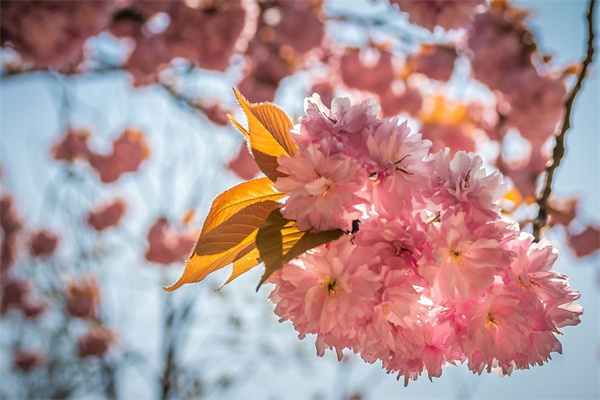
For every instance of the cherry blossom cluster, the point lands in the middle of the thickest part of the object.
(430, 272)
(128, 152)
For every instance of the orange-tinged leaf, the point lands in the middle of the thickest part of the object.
(226, 243)
(235, 229)
(198, 267)
(237, 198)
(267, 164)
(277, 124)
(268, 127)
(279, 240)
(238, 125)
(244, 264)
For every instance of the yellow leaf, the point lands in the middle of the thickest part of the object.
(268, 134)
(225, 243)
(237, 198)
(198, 267)
(267, 164)
(279, 240)
(268, 127)
(235, 229)
(238, 125)
(244, 264)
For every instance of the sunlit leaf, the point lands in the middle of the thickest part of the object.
(267, 133)
(226, 243)
(198, 267)
(279, 240)
(238, 197)
(238, 125)
(244, 264)
(235, 229)
(268, 127)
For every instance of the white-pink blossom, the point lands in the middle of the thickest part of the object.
(323, 186)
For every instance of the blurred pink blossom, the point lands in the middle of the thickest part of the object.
(243, 164)
(43, 243)
(449, 14)
(167, 246)
(586, 242)
(107, 216)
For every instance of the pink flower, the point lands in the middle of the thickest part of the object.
(454, 136)
(83, 299)
(586, 242)
(267, 69)
(43, 243)
(507, 329)
(74, 145)
(532, 270)
(326, 292)
(435, 61)
(463, 182)
(397, 242)
(449, 14)
(128, 152)
(325, 89)
(524, 173)
(465, 256)
(107, 216)
(563, 211)
(401, 97)
(536, 104)
(501, 45)
(401, 298)
(425, 347)
(25, 360)
(322, 185)
(298, 25)
(96, 342)
(14, 293)
(167, 246)
(367, 69)
(52, 33)
(397, 167)
(344, 121)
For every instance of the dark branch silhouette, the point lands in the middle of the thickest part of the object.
(559, 149)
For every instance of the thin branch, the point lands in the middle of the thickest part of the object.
(559, 148)
(188, 102)
(192, 104)
(16, 71)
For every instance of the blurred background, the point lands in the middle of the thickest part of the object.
(114, 140)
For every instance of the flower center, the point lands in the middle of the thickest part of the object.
(398, 168)
(398, 248)
(385, 310)
(456, 257)
(530, 285)
(491, 323)
(331, 285)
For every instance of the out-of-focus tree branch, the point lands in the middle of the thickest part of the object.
(559, 148)
(14, 71)
(180, 99)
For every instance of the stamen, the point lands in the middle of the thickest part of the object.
(491, 322)
(456, 256)
(331, 285)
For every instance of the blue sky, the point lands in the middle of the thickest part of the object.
(180, 143)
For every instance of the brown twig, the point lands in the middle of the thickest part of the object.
(188, 102)
(559, 148)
